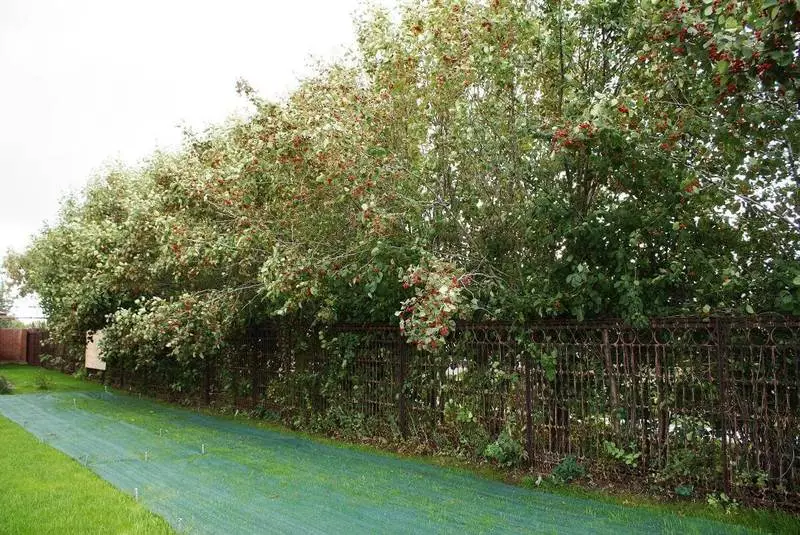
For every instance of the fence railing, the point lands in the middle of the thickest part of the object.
(712, 403)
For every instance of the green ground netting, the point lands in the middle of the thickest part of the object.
(258, 481)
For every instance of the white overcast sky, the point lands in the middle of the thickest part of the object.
(85, 82)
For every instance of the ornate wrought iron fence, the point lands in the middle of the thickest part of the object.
(710, 402)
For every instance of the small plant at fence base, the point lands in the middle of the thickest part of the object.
(694, 456)
(5, 386)
(505, 451)
(568, 470)
(722, 501)
(471, 440)
(629, 457)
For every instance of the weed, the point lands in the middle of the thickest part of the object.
(505, 451)
(567, 470)
(42, 382)
(630, 458)
(722, 501)
(5, 386)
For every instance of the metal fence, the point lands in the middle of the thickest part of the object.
(708, 402)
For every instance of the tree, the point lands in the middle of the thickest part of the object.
(6, 301)
(489, 160)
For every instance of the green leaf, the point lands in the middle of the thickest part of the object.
(377, 151)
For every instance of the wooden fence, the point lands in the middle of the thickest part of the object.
(21, 345)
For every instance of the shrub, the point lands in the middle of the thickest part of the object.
(567, 470)
(505, 451)
(694, 455)
(5, 386)
(461, 435)
(54, 362)
(629, 457)
(722, 501)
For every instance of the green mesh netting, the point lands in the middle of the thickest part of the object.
(252, 480)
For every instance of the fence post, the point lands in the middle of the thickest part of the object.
(401, 392)
(721, 328)
(254, 361)
(528, 409)
(207, 384)
(612, 381)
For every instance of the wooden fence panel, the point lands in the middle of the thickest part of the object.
(13, 345)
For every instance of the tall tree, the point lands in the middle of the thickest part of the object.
(508, 159)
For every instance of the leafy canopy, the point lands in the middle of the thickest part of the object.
(500, 159)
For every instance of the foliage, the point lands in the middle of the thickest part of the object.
(470, 160)
(466, 437)
(568, 470)
(6, 320)
(722, 501)
(426, 318)
(505, 451)
(10, 322)
(630, 457)
(56, 362)
(5, 296)
(695, 454)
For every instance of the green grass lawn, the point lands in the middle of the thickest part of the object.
(29, 379)
(233, 442)
(43, 491)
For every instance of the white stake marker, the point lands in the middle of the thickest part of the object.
(203, 449)
(136, 494)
